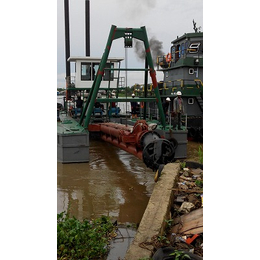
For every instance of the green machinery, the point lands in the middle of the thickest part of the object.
(128, 34)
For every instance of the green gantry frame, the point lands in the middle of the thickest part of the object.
(127, 34)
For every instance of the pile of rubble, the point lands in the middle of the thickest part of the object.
(186, 231)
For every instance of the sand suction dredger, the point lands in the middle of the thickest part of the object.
(155, 142)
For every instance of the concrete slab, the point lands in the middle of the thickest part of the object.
(157, 211)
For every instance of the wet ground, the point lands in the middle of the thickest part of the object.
(121, 243)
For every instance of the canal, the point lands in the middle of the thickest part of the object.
(114, 183)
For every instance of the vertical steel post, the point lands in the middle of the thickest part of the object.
(87, 14)
(145, 87)
(67, 44)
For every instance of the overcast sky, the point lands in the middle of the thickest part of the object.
(164, 21)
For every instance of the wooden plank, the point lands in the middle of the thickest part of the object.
(193, 215)
(191, 223)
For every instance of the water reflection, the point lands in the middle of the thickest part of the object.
(114, 183)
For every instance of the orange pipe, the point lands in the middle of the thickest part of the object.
(128, 148)
(124, 137)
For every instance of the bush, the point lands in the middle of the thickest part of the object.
(82, 240)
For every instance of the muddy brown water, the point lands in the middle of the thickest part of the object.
(114, 183)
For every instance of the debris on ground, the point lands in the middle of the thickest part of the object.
(191, 223)
(186, 231)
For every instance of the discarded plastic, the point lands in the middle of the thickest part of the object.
(180, 239)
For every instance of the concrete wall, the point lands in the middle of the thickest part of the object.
(157, 211)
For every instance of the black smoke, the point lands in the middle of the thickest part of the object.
(156, 48)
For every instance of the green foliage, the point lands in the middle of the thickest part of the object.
(200, 152)
(199, 183)
(122, 91)
(180, 255)
(183, 165)
(168, 223)
(82, 240)
(163, 240)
